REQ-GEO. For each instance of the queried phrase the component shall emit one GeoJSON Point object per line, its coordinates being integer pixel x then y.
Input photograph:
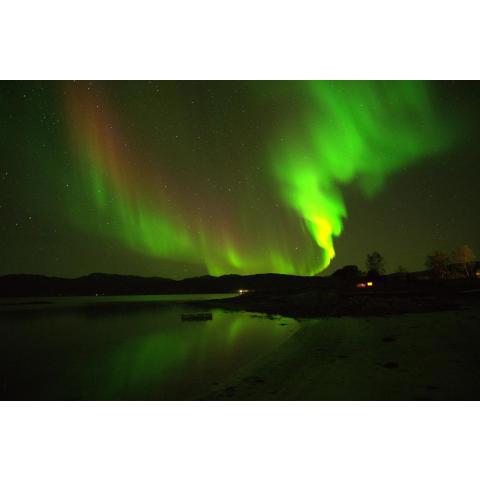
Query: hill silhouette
{"type": "Point", "coordinates": [25, 285]}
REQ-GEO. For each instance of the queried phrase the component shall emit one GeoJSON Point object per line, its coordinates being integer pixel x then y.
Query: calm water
{"type": "Point", "coordinates": [126, 347]}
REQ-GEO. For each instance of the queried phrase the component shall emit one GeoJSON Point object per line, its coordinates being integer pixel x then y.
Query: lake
{"type": "Point", "coordinates": [126, 348]}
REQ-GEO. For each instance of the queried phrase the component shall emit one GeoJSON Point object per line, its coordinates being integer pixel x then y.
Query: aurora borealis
{"type": "Point", "coordinates": [358, 130]}
{"type": "Point", "coordinates": [187, 178]}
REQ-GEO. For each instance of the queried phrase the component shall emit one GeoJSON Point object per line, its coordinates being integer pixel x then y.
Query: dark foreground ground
{"type": "Point", "coordinates": [431, 353]}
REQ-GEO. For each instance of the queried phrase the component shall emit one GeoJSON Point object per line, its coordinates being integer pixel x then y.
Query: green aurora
{"type": "Point", "coordinates": [360, 131]}
{"type": "Point", "coordinates": [351, 132]}
{"type": "Point", "coordinates": [183, 178]}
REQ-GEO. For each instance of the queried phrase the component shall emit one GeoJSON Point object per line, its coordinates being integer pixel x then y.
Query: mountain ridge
{"type": "Point", "coordinates": [97, 283]}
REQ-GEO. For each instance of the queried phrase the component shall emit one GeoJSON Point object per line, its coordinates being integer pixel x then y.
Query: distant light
{"type": "Point", "coordinates": [361, 285]}
{"type": "Point", "coordinates": [369, 284]}
{"type": "Point", "coordinates": [242, 291]}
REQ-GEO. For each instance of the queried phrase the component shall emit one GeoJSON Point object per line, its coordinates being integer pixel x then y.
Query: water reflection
{"type": "Point", "coordinates": [128, 353]}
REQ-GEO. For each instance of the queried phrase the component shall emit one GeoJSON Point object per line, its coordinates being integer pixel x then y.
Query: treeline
{"type": "Point", "coordinates": [461, 263]}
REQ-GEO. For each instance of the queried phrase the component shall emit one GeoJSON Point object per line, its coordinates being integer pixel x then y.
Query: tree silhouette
{"type": "Point", "coordinates": [464, 257]}
{"type": "Point", "coordinates": [348, 272]}
{"type": "Point", "coordinates": [437, 264]}
{"type": "Point", "coordinates": [375, 264]}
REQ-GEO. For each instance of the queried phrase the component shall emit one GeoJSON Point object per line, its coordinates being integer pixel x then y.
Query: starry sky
{"type": "Point", "coordinates": [177, 179]}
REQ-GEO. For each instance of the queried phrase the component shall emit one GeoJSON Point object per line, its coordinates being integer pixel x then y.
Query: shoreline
{"type": "Point", "coordinates": [338, 303]}
{"type": "Point", "coordinates": [427, 356]}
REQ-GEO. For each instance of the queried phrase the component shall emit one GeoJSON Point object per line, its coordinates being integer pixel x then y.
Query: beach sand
{"type": "Point", "coordinates": [413, 356]}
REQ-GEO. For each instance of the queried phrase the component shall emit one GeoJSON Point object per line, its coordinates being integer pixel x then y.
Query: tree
{"type": "Point", "coordinates": [375, 264]}
{"type": "Point", "coordinates": [348, 272]}
{"type": "Point", "coordinates": [465, 258]}
{"type": "Point", "coordinates": [437, 264]}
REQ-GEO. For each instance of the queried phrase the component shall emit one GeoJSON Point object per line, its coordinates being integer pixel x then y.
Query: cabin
{"type": "Point", "coordinates": [365, 284]}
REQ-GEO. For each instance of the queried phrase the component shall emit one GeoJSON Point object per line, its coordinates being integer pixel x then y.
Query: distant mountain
{"type": "Point", "coordinates": [22, 285]}
{"type": "Point", "coordinates": [109, 284]}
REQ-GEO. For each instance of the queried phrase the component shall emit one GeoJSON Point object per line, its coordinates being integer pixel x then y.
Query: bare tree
{"type": "Point", "coordinates": [437, 264]}
{"type": "Point", "coordinates": [464, 257]}
{"type": "Point", "coordinates": [375, 264]}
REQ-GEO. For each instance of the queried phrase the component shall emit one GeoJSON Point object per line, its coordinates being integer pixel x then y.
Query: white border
{"type": "Point", "coordinates": [252, 39]}
{"type": "Point", "coordinates": [248, 39]}
{"type": "Point", "coordinates": [242, 440]}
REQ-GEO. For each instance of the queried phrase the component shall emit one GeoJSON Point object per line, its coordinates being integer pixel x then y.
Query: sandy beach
{"type": "Point", "coordinates": [411, 356]}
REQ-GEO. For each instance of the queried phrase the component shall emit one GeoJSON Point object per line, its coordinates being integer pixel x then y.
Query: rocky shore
{"type": "Point", "coordinates": [336, 303]}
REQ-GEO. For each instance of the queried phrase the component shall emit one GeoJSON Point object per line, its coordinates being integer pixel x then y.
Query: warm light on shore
{"type": "Point", "coordinates": [364, 284]}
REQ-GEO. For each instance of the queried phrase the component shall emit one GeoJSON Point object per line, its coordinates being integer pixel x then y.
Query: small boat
{"type": "Point", "coordinates": [186, 317]}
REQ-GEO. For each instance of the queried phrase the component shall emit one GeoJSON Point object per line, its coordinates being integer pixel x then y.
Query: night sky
{"type": "Point", "coordinates": [178, 179]}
